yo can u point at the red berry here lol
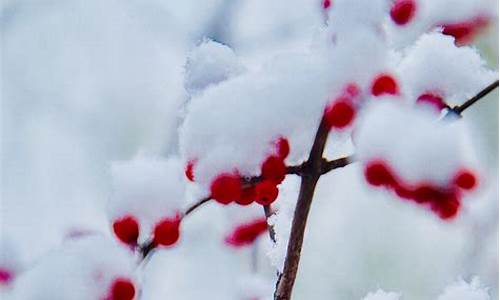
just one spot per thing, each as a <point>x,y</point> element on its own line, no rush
<point>433,100</point>
<point>189,170</point>
<point>266,192</point>
<point>326,4</point>
<point>226,188</point>
<point>166,232</point>
<point>377,173</point>
<point>122,289</point>
<point>247,233</point>
<point>465,32</point>
<point>466,180</point>
<point>283,147</point>
<point>447,208</point>
<point>403,11</point>
<point>247,196</point>
<point>126,230</point>
<point>340,113</point>
<point>274,169</point>
<point>384,84</point>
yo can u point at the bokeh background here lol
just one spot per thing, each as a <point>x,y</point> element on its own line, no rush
<point>88,82</point>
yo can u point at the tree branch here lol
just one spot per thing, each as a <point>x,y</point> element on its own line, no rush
<point>312,170</point>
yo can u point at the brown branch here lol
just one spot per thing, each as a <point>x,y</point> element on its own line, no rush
<point>196,206</point>
<point>329,165</point>
<point>148,246</point>
<point>312,170</point>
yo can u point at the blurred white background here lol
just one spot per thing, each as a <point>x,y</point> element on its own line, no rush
<point>87,82</point>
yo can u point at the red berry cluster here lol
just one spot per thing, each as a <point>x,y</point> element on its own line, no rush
<point>403,11</point>
<point>444,201</point>
<point>341,112</point>
<point>433,99</point>
<point>384,84</point>
<point>230,187</point>
<point>165,233</point>
<point>465,32</point>
<point>122,289</point>
<point>245,234</point>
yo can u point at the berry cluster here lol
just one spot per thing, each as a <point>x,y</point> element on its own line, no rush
<point>245,234</point>
<point>231,187</point>
<point>444,201</point>
<point>165,233</point>
<point>121,289</point>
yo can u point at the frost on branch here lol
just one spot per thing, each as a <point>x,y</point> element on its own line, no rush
<point>436,174</point>
<point>85,269</point>
<point>462,290</point>
<point>210,63</point>
<point>148,196</point>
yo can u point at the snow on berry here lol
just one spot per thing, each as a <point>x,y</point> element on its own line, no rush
<point>389,131</point>
<point>426,67</point>
<point>146,190</point>
<point>210,63</point>
<point>226,188</point>
<point>82,269</point>
<point>246,233</point>
<point>403,11</point>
